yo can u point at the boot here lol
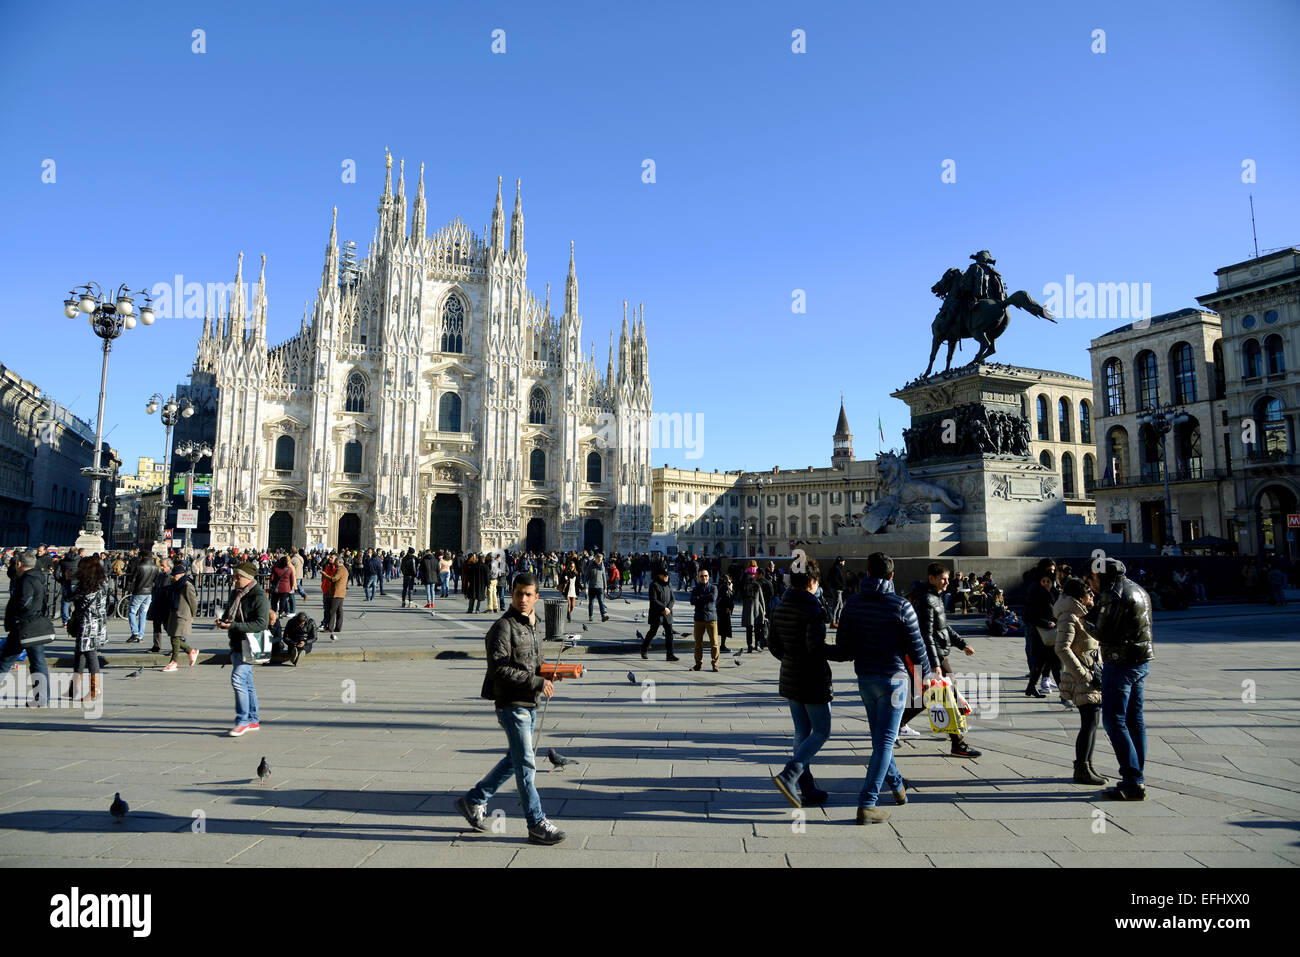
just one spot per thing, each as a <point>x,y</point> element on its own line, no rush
<point>1101,779</point>
<point>1084,774</point>
<point>808,789</point>
<point>94,688</point>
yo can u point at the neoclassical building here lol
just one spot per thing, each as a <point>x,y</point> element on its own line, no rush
<point>429,398</point>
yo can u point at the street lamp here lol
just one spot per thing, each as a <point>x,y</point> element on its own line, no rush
<point>108,315</point>
<point>172,412</point>
<point>1163,420</point>
<point>193,451</point>
<point>761,527</point>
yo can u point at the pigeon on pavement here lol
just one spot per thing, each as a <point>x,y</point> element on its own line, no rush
<point>136,673</point>
<point>263,771</point>
<point>631,677</point>
<point>639,636</point>
<point>558,760</point>
<point>584,626</point>
<point>118,808</point>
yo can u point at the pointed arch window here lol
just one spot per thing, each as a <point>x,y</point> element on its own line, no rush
<point>449,412</point>
<point>537,406</point>
<point>453,325</point>
<point>594,468</point>
<point>355,393</point>
<point>284,448</point>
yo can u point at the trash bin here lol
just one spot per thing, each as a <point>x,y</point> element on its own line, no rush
<point>553,606</point>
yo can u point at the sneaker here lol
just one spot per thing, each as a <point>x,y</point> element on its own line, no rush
<point>238,730</point>
<point>964,750</point>
<point>253,726</point>
<point>786,783</point>
<point>604,617</point>
<point>907,731</point>
<point>171,666</point>
<point>133,639</point>
<point>473,813</point>
<point>872,815</point>
<point>194,656</point>
<point>545,833</point>
<point>697,667</point>
<point>333,637</point>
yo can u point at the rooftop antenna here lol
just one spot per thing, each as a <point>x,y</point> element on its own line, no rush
<point>1252,225</point>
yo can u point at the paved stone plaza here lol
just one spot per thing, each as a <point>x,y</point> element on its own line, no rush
<point>673,775</point>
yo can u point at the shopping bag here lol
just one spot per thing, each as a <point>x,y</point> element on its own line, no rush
<point>945,713</point>
<point>257,647</point>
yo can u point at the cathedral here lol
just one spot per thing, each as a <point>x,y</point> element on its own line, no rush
<point>429,399</point>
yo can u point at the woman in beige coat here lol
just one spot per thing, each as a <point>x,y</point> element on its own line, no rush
<point>1080,672</point>
<point>180,618</point>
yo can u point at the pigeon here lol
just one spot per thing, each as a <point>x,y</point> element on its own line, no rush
<point>136,673</point>
<point>639,636</point>
<point>631,677</point>
<point>558,760</point>
<point>360,616</point>
<point>626,602</point>
<point>118,808</point>
<point>263,771</point>
<point>584,626</point>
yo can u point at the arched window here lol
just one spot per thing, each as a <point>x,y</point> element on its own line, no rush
<point>352,458</point>
<point>1182,360</point>
<point>1117,446</point>
<point>284,454</point>
<point>1276,357</point>
<point>1089,474</point>
<point>1187,448</point>
<point>1044,420</point>
<point>1271,424</point>
<point>537,406</point>
<point>1253,364</point>
<point>1113,374</point>
<point>1148,371</point>
<point>593,468</point>
<point>1220,379</point>
<point>449,412</point>
<point>1063,420</point>
<point>355,393</point>
<point>537,466</point>
<point>794,528</point>
<point>1067,475</point>
<point>1085,422</point>
<point>1153,454</point>
<point>453,325</point>
<point>1045,459</point>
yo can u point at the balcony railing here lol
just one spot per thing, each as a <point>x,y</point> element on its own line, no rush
<point>1155,476</point>
<point>1272,457</point>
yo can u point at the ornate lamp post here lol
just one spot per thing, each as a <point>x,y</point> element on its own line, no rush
<point>193,451</point>
<point>172,412</point>
<point>1163,420</point>
<point>108,315</point>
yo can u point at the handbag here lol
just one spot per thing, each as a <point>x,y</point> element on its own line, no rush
<point>257,647</point>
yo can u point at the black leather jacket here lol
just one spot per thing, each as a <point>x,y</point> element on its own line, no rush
<point>144,575</point>
<point>937,637</point>
<point>1124,623</point>
<point>513,657</point>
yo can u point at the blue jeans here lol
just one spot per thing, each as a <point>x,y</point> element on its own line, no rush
<point>372,581</point>
<point>812,727</point>
<point>241,679</point>
<point>593,596</point>
<point>37,669</point>
<point>139,607</point>
<point>519,761</point>
<point>442,582</point>
<point>883,696</point>
<point>1121,716</point>
<point>429,592</point>
<point>408,589</point>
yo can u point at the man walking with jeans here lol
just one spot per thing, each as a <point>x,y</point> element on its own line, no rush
<point>142,575</point>
<point>595,578</point>
<point>513,681</point>
<point>1124,633</point>
<point>877,628</point>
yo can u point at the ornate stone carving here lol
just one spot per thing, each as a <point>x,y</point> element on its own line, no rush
<point>902,498</point>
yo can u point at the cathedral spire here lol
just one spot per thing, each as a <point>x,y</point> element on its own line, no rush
<point>385,207</point>
<point>571,290</point>
<point>497,237</point>
<point>624,350</point>
<point>306,307</point>
<point>517,224</point>
<point>235,327</point>
<point>547,308</point>
<point>399,204</point>
<point>207,323</point>
<point>420,214</point>
<point>259,305</point>
<point>609,370</point>
<point>330,275</point>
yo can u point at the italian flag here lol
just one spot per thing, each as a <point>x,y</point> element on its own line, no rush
<point>881,427</point>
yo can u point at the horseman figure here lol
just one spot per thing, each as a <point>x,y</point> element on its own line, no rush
<point>974,307</point>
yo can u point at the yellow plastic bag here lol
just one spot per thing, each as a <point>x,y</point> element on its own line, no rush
<point>945,713</point>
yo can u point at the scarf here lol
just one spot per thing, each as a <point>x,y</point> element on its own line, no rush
<point>235,611</point>
<point>178,589</point>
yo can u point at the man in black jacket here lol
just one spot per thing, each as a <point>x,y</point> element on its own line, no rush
<point>408,576</point>
<point>939,639</point>
<point>141,576</point>
<point>514,682</point>
<point>798,638</point>
<point>25,618</point>
<point>661,612</point>
<point>1125,635</point>
<point>1040,630</point>
<point>833,591</point>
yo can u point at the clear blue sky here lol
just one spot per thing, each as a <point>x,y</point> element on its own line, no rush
<point>775,172</point>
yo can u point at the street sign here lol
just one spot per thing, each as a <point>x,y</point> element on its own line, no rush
<point>1293,521</point>
<point>167,535</point>
<point>187,518</point>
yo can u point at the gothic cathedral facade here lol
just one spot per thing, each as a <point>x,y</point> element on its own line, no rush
<point>429,400</point>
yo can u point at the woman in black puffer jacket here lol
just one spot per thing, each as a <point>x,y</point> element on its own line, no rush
<point>798,638</point>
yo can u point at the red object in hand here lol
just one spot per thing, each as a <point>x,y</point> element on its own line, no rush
<point>556,672</point>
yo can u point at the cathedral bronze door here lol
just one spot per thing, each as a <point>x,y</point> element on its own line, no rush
<point>444,529</point>
<point>593,535</point>
<point>350,531</point>
<point>279,534</point>
<point>536,541</point>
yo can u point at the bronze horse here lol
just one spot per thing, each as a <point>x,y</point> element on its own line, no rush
<point>984,321</point>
